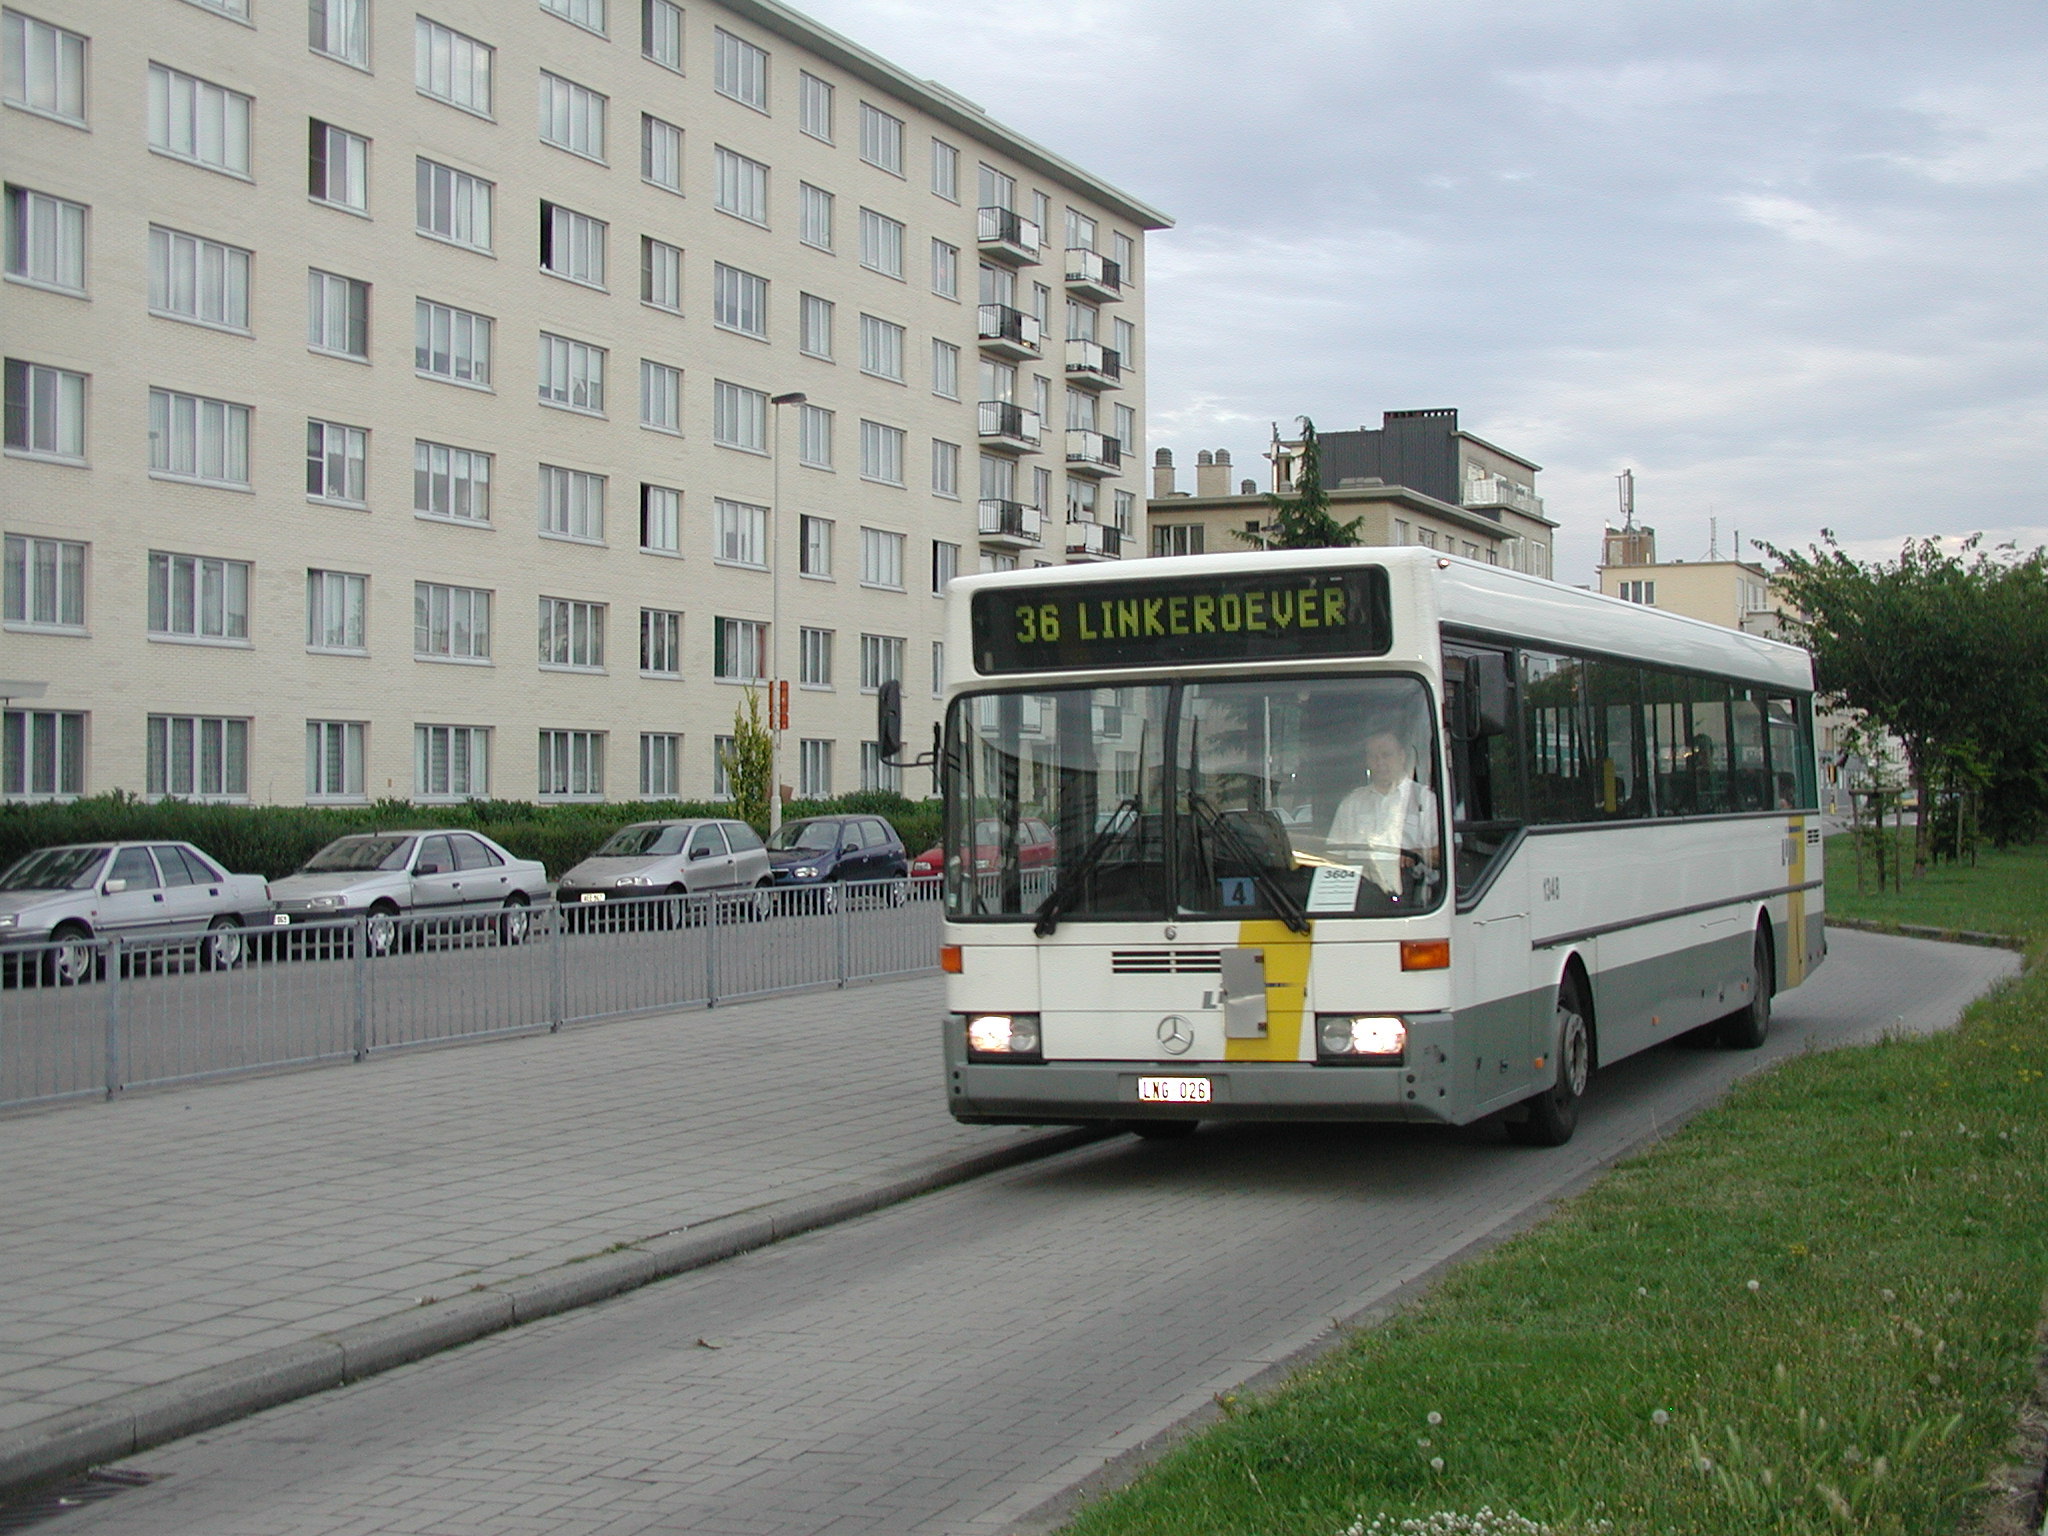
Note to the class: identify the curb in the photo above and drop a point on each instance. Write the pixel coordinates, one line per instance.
(1922, 931)
(69, 1443)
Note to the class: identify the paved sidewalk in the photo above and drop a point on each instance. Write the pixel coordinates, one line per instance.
(192, 1231)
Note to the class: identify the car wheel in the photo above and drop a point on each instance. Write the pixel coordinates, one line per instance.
(224, 947)
(1746, 1028)
(1553, 1115)
(764, 901)
(515, 922)
(72, 960)
(899, 891)
(380, 929)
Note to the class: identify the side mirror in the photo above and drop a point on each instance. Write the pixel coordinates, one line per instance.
(700, 853)
(889, 720)
(429, 867)
(114, 887)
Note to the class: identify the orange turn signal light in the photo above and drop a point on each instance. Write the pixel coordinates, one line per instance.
(1425, 954)
(949, 959)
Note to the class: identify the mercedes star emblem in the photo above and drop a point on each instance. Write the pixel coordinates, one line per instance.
(1176, 1034)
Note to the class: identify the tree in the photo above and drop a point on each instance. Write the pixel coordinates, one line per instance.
(747, 761)
(1303, 521)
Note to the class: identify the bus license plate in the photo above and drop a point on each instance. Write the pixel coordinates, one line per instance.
(1173, 1090)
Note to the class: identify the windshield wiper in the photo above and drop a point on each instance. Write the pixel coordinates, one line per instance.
(1289, 909)
(1068, 885)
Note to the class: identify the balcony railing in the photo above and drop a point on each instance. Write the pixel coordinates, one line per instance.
(1009, 332)
(1495, 491)
(1097, 539)
(1089, 362)
(1002, 422)
(1094, 274)
(1007, 234)
(1096, 452)
(1010, 522)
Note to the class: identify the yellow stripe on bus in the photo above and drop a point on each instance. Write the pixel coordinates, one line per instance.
(1795, 907)
(1287, 954)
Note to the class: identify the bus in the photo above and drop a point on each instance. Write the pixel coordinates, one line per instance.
(1355, 835)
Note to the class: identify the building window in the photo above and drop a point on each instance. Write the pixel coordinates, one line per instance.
(42, 751)
(199, 757)
(1081, 500)
(1041, 307)
(1178, 539)
(571, 117)
(1080, 231)
(1644, 592)
(741, 71)
(997, 560)
(945, 170)
(998, 190)
(197, 598)
(192, 119)
(814, 540)
(45, 240)
(337, 166)
(945, 565)
(451, 67)
(881, 348)
(45, 68)
(945, 469)
(451, 482)
(192, 438)
(661, 153)
(1123, 251)
(451, 762)
(661, 397)
(938, 668)
(739, 417)
(451, 622)
(44, 583)
(571, 374)
(945, 269)
(451, 344)
(815, 107)
(45, 411)
(881, 559)
(742, 533)
(1125, 336)
(452, 205)
(661, 33)
(881, 661)
(814, 658)
(571, 503)
(571, 634)
(881, 139)
(660, 752)
(334, 759)
(661, 275)
(814, 436)
(739, 301)
(337, 457)
(340, 29)
(814, 216)
(876, 774)
(945, 369)
(721, 767)
(338, 315)
(572, 765)
(661, 642)
(587, 14)
(881, 243)
(739, 650)
(572, 244)
(742, 186)
(661, 519)
(881, 453)
(198, 280)
(337, 604)
(1041, 489)
(814, 769)
(816, 340)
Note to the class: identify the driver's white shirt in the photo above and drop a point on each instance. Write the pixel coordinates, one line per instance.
(1402, 820)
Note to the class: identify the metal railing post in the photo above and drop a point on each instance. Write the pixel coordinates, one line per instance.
(359, 944)
(558, 973)
(710, 956)
(839, 929)
(113, 962)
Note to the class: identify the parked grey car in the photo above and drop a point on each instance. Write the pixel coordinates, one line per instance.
(70, 895)
(668, 858)
(441, 871)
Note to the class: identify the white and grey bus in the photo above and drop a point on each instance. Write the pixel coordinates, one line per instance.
(1356, 835)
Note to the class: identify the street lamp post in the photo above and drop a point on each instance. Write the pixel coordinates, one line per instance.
(775, 683)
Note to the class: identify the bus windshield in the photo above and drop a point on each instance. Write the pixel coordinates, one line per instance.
(1239, 798)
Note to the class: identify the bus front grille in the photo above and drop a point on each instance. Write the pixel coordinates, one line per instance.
(1165, 962)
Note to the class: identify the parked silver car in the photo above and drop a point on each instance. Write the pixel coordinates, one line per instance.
(70, 895)
(669, 858)
(445, 872)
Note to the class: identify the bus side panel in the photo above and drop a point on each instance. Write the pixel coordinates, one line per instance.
(1502, 1002)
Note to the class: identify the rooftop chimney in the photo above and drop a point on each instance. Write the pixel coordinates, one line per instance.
(1162, 473)
(1212, 472)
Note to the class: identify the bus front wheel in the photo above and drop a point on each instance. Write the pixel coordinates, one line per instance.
(1746, 1027)
(1550, 1118)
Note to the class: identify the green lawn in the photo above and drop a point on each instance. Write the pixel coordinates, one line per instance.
(2007, 891)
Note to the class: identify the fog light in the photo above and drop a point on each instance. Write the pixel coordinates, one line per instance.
(1002, 1036)
(1357, 1036)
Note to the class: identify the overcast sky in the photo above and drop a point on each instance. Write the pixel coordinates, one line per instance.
(1784, 260)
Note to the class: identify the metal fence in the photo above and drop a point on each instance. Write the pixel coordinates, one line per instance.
(98, 1016)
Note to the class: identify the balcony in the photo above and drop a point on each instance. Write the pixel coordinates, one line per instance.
(1094, 276)
(1004, 425)
(1009, 237)
(1011, 524)
(1007, 332)
(1094, 366)
(1094, 541)
(1093, 453)
(1494, 491)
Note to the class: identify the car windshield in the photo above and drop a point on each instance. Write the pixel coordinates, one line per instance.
(55, 869)
(647, 840)
(352, 855)
(1246, 798)
(811, 836)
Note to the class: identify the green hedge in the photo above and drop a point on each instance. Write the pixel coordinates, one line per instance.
(274, 840)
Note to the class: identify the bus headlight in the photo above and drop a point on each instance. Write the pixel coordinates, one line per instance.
(1367, 1038)
(1003, 1037)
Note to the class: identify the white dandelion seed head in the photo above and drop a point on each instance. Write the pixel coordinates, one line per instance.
(1756, 1285)
(1436, 1463)
(1660, 1417)
(1642, 1290)
(1889, 1295)
(1705, 1464)
(1433, 1417)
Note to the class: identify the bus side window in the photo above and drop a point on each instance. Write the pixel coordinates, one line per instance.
(1564, 781)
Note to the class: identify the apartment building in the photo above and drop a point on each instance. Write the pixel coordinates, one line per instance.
(477, 397)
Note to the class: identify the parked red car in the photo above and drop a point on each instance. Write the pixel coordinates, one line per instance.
(1036, 848)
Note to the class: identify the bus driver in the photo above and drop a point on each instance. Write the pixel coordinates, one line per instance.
(1390, 821)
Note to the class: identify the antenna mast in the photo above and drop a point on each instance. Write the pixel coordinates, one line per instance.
(1626, 484)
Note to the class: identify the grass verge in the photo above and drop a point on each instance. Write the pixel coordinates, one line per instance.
(1813, 1310)
(2005, 892)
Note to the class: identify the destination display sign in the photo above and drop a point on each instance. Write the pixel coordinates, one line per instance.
(1167, 621)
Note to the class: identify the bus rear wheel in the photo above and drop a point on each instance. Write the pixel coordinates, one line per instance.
(1551, 1117)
